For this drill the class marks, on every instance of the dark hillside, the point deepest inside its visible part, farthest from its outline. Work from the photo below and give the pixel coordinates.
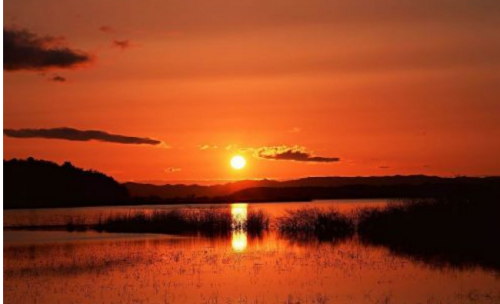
(35, 183)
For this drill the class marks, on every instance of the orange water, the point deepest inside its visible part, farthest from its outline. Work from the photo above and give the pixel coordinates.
(91, 214)
(90, 267)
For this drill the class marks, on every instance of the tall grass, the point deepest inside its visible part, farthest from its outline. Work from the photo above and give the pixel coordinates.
(256, 223)
(211, 221)
(76, 224)
(455, 231)
(324, 224)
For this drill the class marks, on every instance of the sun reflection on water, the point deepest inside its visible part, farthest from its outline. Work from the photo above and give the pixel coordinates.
(239, 236)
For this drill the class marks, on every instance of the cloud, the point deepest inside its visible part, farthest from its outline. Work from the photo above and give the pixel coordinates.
(107, 29)
(58, 78)
(172, 170)
(294, 130)
(292, 153)
(24, 50)
(79, 135)
(208, 147)
(122, 44)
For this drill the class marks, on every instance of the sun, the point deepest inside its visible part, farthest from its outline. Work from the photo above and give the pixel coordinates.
(238, 162)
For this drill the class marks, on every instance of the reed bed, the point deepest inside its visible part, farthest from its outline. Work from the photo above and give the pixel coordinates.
(257, 222)
(213, 221)
(455, 231)
(324, 224)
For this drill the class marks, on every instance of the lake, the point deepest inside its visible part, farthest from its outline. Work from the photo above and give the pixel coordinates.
(92, 267)
(89, 215)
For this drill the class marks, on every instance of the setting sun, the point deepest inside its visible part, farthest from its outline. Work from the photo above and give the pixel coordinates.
(238, 162)
(251, 151)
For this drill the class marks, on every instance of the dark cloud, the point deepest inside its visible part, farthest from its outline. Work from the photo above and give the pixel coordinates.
(79, 135)
(123, 44)
(293, 153)
(58, 78)
(24, 50)
(107, 29)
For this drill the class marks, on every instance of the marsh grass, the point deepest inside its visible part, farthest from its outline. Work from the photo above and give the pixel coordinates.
(323, 224)
(76, 224)
(256, 223)
(212, 221)
(454, 231)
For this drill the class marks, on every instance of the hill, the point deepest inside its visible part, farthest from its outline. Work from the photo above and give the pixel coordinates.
(315, 188)
(35, 183)
(192, 191)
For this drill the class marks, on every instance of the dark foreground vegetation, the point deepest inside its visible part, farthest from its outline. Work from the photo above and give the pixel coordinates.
(208, 222)
(447, 231)
(453, 231)
(307, 223)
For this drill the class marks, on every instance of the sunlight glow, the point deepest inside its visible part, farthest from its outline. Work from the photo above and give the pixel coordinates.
(238, 162)
(239, 236)
(239, 241)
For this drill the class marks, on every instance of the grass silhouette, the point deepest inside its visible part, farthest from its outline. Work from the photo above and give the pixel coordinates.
(323, 224)
(455, 231)
(212, 221)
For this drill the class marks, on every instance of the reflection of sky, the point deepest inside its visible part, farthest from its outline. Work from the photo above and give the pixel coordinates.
(239, 237)
(91, 215)
(360, 274)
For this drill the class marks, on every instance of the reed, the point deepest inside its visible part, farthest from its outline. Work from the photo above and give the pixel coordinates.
(212, 221)
(324, 224)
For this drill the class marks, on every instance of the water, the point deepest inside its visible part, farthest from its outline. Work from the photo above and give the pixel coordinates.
(90, 215)
(91, 267)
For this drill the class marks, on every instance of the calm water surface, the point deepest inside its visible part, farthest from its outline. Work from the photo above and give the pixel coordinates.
(89, 215)
(91, 267)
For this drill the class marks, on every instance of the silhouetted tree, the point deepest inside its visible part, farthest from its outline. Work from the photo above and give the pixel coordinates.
(35, 183)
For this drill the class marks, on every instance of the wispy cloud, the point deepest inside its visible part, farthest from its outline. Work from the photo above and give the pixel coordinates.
(294, 130)
(107, 29)
(290, 153)
(24, 50)
(122, 44)
(79, 135)
(207, 147)
(172, 170)
(58, 78)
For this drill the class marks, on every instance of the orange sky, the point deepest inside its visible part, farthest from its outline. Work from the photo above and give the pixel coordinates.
(389, 87)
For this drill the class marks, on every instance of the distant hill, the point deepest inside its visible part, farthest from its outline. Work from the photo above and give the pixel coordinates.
(35, 183)
(190, 191)
(314, 188)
